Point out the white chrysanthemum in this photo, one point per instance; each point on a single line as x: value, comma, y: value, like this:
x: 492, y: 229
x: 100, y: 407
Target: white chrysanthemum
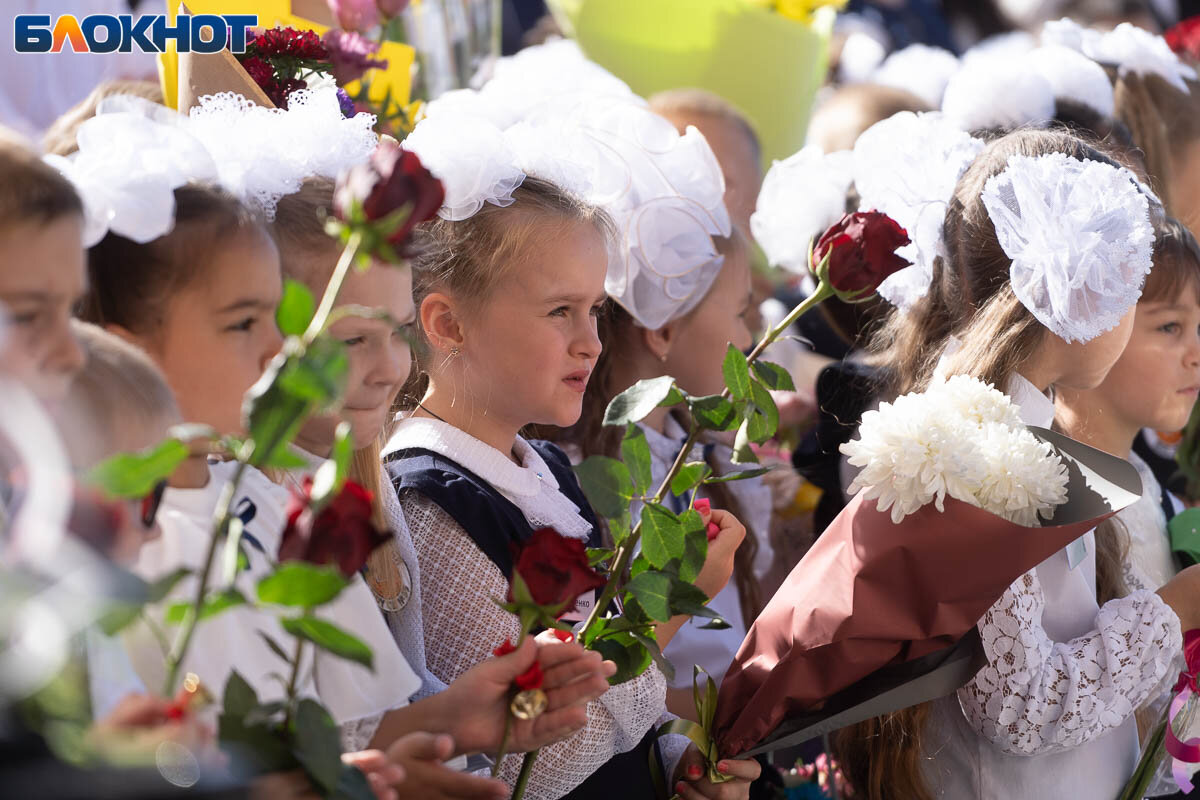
x: 961, y: 439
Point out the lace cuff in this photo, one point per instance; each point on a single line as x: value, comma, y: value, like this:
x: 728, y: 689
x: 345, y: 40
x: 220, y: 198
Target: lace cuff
x: 357, y: 733
x: 1038, y: 696
x: 462, y: 626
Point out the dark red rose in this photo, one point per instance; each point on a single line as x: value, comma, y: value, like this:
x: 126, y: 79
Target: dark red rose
x: 342, y: 534
x: 351, y: 54
x: 391, y: 180
x: 555, y: 569
x: 288, y: 42
x: 260, y: 71
x: 1184, y: 38
x: 862, y: 252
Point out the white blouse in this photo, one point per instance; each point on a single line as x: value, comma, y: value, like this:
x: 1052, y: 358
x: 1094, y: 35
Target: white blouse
x: 1051, y: 713
x: 463, y: 623
x: 233, y: 640
x: 1150, y: 564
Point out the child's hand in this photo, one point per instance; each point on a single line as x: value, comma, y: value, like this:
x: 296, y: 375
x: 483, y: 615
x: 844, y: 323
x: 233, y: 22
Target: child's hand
x: 691, y: 783
x: 382, y: 773
x: 420, y: 755
x: 139, y: 723
x: 479, y: 698
x: 725, y: 534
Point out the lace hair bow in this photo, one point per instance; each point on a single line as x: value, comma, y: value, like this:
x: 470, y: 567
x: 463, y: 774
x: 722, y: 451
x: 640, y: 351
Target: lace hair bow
x: 134, y: 154
x: 1080, y: 237
x: 907, y: 166
x: 1127, y: 46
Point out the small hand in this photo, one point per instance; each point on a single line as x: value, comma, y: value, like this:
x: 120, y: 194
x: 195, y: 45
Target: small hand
x: 382, y: 773
x: 420, y: 756
x: 692, y: 783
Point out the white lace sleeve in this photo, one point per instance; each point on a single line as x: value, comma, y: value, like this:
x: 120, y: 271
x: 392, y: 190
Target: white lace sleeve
x: 1038, y: 696
x: 463, y: 625
x: 357, y: 733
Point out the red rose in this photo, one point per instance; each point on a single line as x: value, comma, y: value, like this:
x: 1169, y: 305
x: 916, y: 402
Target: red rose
x: 342, y: 534
x: 555, y: 568
x: 1184, y: 38
x: 862, y: 252
x: 391, y: 180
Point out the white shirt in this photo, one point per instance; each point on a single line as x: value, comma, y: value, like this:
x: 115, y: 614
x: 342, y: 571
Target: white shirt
x: 233, y: 640
x: 1051, y: 713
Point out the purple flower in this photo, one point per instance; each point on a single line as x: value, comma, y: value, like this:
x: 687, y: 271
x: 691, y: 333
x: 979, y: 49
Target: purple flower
x: 348, y: 109
x: 351, y: 55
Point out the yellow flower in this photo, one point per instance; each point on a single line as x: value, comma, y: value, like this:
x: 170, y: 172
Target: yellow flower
x: 802, y: 10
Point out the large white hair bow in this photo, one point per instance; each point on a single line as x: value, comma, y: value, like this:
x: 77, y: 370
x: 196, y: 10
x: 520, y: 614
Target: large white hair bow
x: 1128, y: 47
x: 1080, y: 238
x: 133, y: 155
x: 907, y: 166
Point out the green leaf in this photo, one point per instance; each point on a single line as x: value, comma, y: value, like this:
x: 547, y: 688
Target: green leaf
x: 298, y: 382
x: 742, y: 452
x: 653, y: 592
x: 317, y: 744
x: 300, y: 584
x: 766, y: 415
x: 739, y: 475
x: 737, y: 373
x: 774, y: 376
x: 635, y: 452
x: 713, y: 412
x: 240, y: 697
x: 285, y: 459
x: 135, y: 474
x: 276, y: 648
x: 689, y: 477
x: 716, y: 624
x: 122, y: 614
x: 695, y: 545
x: 331, y: 475
x: 633, y: 404
x: 662, y: 535
x: 330, y: 637
x: 598, y: 555
x: 296, y: 308
x: 607, y: 484
x: 687, y: 598
x: 619, y: 528
x: 630, y: 656
x: 647, y: 641
x: 352, y: 785
x: 214, y: 604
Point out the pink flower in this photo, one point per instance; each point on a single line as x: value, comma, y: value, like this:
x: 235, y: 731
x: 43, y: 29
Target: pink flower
x: 351, y: 55
x: 391, y: 8
x: 355, y: 15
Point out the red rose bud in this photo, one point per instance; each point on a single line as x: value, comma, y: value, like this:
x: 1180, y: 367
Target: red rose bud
x: 531, y: 678
x: 562, y: 636
x: 393, y: 179
x: 703, y: 505
x: 342, y: 534
x: 554, y: 568
x: 713, y: 530
x: 861, y: 252
x: 504, y: 649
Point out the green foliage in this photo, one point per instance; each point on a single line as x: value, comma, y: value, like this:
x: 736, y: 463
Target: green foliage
x: 331, y: 475
x: 607, y: 484
x: 662, y: 535
x: 296, y: 308
x: 119, y: 617
x: 330, y: 637
x: 635, y: 452
x: 773, y: 376
x: 135, y: 474
x: 633, y: 404
x: 214, y: 604
x: 737, y: 374
x: 302, y: 585
x: 713, y: 412
x: 690, y: 475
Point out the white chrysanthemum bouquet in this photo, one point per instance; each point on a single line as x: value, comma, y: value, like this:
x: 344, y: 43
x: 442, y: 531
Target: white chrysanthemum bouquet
x: 961, y: 438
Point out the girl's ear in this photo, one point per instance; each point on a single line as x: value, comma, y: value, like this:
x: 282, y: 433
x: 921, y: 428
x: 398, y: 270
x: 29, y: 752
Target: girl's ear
x: 440, y: 324
x: 659, y: 342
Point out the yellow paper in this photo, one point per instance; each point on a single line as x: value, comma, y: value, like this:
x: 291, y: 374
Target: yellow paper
x: 396, y: 79
x: 766, y: 64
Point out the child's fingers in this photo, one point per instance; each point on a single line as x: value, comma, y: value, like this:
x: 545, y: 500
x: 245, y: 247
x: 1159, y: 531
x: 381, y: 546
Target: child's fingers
x: 585, y: 665
x: 746, y: 769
